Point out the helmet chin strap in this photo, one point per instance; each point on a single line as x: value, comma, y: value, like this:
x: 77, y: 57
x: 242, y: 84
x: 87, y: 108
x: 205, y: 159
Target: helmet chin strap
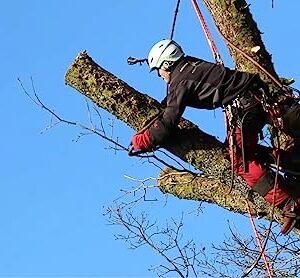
x: 166, y: 65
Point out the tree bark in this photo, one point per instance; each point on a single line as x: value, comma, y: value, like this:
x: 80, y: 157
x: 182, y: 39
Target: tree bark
x: 211, y: 190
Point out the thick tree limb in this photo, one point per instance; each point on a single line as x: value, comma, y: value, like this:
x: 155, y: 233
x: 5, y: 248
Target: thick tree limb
x: 211, y: 190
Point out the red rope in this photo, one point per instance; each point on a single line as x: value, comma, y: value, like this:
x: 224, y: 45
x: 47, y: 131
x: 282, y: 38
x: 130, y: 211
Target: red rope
x: 259, y: 241
x: 219, y: 60
x: 207, y: 33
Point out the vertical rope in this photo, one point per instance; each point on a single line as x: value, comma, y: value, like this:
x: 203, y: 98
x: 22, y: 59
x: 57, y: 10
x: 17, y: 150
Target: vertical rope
x: 259, y: 241
x: 174, y: 20
x: 207, y: 33
x: 173, y: 31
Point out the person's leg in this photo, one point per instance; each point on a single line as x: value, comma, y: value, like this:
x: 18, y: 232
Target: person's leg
x: 289, y: 164
x: 257, y: 176
x: 263, y: 181
x: 288, y: 159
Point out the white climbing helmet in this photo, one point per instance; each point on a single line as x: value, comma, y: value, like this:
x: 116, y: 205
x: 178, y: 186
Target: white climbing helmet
x: 164, y: 50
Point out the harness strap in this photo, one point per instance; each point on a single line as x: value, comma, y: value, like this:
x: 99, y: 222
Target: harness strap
x: 265, y: 184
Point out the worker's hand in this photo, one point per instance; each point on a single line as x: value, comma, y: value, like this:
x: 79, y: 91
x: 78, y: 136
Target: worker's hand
x: 141, y: 141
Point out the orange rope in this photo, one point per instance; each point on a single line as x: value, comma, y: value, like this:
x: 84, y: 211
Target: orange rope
x: 259, y: 241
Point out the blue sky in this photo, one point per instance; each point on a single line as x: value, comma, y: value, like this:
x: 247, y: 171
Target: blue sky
x: 53, y: 190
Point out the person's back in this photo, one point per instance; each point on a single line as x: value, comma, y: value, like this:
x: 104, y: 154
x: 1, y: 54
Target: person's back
x: 206, y: 84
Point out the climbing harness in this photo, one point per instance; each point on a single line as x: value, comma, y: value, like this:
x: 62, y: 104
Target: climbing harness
x: 271, y: 104
x: 231, y: 128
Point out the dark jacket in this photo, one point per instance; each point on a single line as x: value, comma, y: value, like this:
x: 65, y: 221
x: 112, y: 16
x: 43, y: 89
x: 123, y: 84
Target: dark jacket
x: 199, y: 84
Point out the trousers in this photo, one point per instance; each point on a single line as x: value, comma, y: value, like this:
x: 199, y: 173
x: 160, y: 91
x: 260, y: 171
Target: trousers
x: 256, y: 170
x: 245, y: 136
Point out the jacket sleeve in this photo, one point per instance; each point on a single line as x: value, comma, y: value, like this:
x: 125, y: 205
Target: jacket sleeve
x: 176, y: 104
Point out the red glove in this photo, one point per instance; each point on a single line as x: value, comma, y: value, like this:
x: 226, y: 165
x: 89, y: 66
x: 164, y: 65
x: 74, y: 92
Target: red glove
x: 142, y: 141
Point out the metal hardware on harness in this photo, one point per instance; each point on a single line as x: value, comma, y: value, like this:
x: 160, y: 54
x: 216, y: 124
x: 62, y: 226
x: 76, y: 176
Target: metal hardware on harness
x: 232, y: 120
x: 274, y: 108
x: 236, y: 113
x: 238, y: 107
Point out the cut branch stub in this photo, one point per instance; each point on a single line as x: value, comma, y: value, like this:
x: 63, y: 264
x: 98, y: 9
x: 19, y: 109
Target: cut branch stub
x: 109, y: 92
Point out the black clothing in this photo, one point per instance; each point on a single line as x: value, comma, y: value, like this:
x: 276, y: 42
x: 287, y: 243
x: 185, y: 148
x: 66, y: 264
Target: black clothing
x: 291, y: 120
x: 199, y: 84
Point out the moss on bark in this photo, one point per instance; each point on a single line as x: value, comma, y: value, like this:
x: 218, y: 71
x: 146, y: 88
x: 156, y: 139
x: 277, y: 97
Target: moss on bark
x: 110, y: 92
x: 209, y: 189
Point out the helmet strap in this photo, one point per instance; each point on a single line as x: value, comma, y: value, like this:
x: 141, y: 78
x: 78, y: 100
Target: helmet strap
x: 170, y: 65
x: 166, y: 65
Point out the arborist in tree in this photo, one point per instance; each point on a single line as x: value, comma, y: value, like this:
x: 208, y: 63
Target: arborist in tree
x: 200, y: 84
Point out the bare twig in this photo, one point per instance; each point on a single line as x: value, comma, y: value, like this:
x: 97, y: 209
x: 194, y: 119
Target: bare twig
x: 116, y: 146
x: 179, y: 258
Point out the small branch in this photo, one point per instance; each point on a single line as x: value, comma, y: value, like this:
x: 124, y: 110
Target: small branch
x: 166, y: 242
x: 92, y: 129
